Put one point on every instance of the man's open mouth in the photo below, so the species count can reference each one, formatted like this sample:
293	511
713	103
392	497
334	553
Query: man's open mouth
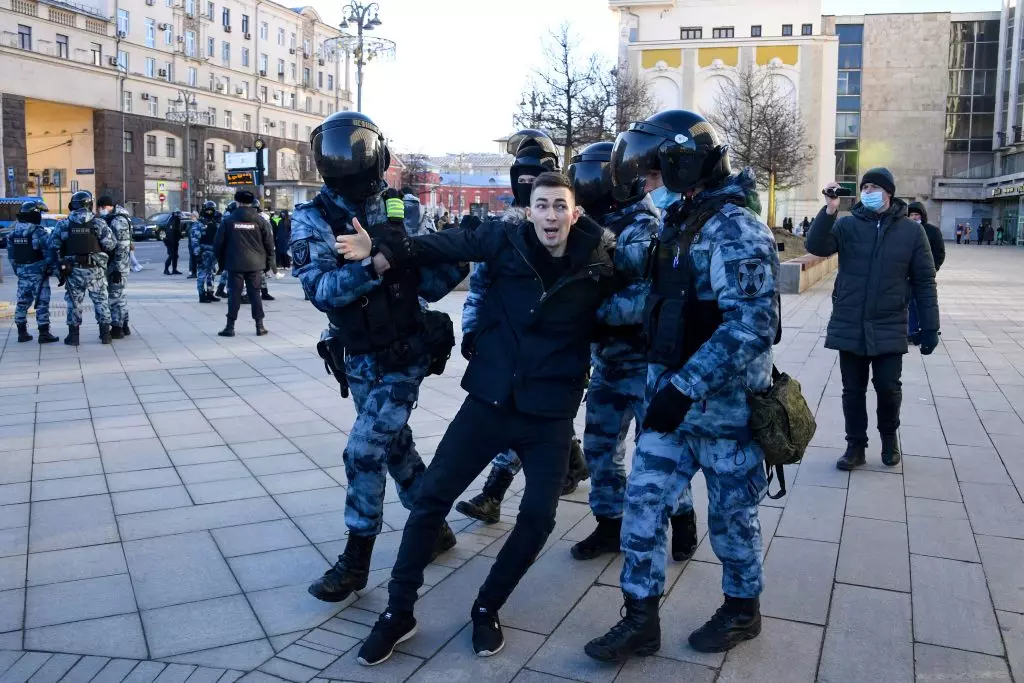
551	232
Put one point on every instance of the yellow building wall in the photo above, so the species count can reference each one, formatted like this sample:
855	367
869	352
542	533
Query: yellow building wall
673	58
787	54
60	136
730	56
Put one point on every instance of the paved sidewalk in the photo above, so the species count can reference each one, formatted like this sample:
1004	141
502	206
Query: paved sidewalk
165	501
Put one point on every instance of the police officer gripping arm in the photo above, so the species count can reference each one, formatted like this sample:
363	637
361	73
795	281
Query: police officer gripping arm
79	246
379	333
119	266
201	238
26	251
711	319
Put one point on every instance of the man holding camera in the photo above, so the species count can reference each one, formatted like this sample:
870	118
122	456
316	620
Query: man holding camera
884	262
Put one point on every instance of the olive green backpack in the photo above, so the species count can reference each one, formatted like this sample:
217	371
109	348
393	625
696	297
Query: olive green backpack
783	425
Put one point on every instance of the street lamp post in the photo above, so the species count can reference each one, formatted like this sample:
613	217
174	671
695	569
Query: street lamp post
188	116
362	48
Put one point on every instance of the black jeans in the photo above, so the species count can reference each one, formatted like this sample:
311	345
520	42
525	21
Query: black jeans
251	281
478	433
172	256
885	375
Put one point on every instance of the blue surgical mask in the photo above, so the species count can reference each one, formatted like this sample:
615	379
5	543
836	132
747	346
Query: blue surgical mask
663	199
872	201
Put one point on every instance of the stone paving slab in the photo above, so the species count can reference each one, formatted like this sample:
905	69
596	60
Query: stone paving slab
164	503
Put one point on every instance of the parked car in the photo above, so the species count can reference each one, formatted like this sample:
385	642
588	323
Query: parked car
49	221
143	230
158	223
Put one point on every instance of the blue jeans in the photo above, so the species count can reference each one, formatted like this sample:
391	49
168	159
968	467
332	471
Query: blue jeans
913	324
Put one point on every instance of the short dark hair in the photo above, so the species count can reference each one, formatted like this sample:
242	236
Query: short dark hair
552	179
105	200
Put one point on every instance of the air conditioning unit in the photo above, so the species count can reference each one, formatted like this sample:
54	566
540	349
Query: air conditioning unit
112	61
122	35
272	124
321	62
144	96
162	73
239	90
227	29
291	50
190	15
277	96
305	55
46	177
211	167
280	74
220	87
248	36
263	73
163	27
150	2
181	39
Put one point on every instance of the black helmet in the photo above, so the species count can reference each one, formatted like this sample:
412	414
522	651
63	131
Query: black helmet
231	206
351	155
680	144
535	154
591	176
32	211
209	209
80	200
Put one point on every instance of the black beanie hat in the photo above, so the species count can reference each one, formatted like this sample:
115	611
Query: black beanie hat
105	200
881	177
918	207
244	197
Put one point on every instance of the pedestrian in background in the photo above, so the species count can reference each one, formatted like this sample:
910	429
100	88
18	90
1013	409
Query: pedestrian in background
967	233
244	245
959	232
999	236
884	261
917	213
172	237
282	236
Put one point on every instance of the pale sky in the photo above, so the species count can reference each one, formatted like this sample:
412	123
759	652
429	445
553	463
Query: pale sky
461	64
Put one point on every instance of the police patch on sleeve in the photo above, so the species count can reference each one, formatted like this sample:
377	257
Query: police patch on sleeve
751	276
300	253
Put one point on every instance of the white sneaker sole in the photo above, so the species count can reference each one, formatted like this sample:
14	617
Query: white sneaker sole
490	653
404	638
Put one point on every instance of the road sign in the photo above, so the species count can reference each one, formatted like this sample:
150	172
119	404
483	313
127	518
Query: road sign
163	197
85	171
161	187
10	173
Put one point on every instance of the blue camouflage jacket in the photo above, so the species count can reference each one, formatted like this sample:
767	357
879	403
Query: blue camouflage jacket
105	235
735	262
330	282
121	227
40	241
195	233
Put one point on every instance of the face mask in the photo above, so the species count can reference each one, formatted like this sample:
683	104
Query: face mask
916	220
663	199
872	201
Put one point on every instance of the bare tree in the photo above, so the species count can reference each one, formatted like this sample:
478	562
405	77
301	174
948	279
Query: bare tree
763	126
416	174
616	101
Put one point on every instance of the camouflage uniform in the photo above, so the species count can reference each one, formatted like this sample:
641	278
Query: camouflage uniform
715	437
120	261
205	257
33	278
381	440
91	278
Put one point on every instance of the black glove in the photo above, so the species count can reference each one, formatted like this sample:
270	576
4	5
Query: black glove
398	250
115	277
667	410
929	341
63	272
468	340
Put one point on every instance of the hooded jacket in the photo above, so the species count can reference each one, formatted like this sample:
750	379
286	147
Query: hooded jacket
884	259
934	234
120	223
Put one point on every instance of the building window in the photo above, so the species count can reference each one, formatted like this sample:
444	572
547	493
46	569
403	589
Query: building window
24	37
150	33
245	56
970	107
169	69
211	11
126	102
122	60
320	79
228	123
280	36
787	29
330	81
122	21
210	152
226	149
213	116
193	149
280	70
211	47
295	131
291	100
245	90
190	7
172	149
847	125
806	29
62	46
150	67
225	17
320	104
151	145
691	33
330	108
97	54
193	76
263	93
264	30
309	105
309	134
153	106
305	47
283	128
723	32
264	64
294	77
168	35
305	77
247	123
245	23
225	53
128	142
755	31
190	43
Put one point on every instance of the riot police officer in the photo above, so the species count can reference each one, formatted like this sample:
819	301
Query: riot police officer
711	319
244	243
201	238
379	334
79	246
26	251
119	266
222	283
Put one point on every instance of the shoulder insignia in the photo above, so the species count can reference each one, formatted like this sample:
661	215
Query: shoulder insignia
751	276
300	252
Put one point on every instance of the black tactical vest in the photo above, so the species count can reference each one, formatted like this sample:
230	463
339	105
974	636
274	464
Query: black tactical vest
22	250
676	322
209	233
82	239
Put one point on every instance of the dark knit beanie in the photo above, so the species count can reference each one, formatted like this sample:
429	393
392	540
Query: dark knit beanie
245	197
881	177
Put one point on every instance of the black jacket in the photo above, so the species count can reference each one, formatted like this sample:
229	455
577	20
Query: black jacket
244	242
532	344
883	260
172	232
935	240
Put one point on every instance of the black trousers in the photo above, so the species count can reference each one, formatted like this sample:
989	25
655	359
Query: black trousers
172	256
885	373
251	282
192	265
478	433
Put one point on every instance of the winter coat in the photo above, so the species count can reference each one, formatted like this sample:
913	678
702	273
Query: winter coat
245	242
935	240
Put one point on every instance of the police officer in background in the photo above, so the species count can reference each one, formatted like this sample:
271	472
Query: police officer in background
222	283
120	264
201	238
378	332
244	245
26	250
79	245
711	319
172	237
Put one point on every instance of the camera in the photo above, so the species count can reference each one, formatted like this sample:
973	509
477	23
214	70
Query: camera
836	192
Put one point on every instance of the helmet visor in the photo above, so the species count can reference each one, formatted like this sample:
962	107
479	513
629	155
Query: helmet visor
347	151
592	185
634	155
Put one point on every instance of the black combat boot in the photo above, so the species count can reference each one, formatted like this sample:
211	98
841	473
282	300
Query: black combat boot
348	574
891	454
204	298
445	541
639	633
116	332
105	333
72	338
44	335
853	457
220	292
603	539
23	335
124	328
212	297
229	329
265	294
578	470
260	330
684	536
738	619
191	276
486	505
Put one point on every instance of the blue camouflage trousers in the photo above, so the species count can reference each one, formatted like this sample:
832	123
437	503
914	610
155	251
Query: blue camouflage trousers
380	441
615	398
94	281
33	286
207	266
118	299
663	465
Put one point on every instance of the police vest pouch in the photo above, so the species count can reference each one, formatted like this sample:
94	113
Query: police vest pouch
208	234
439	338
665	329
782	424
22	251
82	242
333	355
